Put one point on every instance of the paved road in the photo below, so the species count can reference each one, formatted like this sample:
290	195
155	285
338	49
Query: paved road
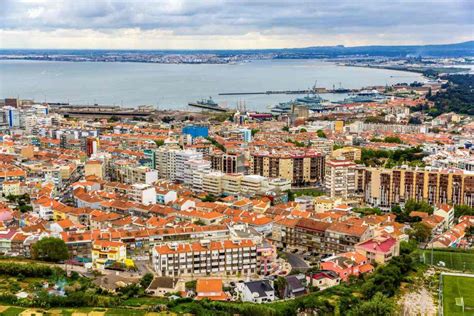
296	262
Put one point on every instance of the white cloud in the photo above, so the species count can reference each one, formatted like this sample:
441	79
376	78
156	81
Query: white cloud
231	23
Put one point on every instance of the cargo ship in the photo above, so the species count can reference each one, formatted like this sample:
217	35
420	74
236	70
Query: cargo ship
208	104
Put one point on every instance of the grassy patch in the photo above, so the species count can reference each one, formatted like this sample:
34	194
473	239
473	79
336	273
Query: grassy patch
12	311
122	311
455	287
460	261
140	301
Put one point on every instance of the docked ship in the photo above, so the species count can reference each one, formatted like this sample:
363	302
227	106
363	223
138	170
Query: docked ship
364	96
208	104
312	101
282	108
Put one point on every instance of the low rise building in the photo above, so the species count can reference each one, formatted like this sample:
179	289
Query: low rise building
205	257
260	291
347	264
379	249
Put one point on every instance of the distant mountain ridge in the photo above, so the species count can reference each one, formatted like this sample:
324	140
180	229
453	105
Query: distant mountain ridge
438	50
433	50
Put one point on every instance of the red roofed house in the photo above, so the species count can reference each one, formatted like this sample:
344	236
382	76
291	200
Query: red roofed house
210	289
323	279
347	264
379	249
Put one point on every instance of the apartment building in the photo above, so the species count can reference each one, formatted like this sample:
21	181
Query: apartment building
340	178
218	183
205	257
231	183
165	162
302	168
194	170
349	153
310	235
171	162
212	183
142	193
126	171
251	184
227	162
181	157
343	236
386	187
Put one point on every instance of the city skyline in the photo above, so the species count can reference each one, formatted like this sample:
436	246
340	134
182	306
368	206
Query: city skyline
230	24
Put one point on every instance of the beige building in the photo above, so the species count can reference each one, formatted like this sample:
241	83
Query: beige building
324	203
11	188
94	168
253	184
349	153
300	167
339	126
385	187
212	183
231	183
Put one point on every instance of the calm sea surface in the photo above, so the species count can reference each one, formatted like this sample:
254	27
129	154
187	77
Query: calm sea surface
173	86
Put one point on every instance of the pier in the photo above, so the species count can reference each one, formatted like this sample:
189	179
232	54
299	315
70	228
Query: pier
102	111
307	91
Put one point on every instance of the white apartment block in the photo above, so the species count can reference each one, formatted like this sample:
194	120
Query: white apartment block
165	161
142	193
170	162
141	174
340	177
181	157
253	183
205	257
194	170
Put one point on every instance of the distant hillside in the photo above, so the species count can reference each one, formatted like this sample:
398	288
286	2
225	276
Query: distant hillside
445	50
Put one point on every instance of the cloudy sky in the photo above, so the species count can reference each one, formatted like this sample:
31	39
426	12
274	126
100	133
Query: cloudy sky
227	24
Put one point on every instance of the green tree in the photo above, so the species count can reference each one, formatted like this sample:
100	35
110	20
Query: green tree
50	249
379	305
280	285
286	128
393	139
396	209
209	198
421	206
190	285
159	142
145	281
254	131
460	210
420	232
321	133
303	130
